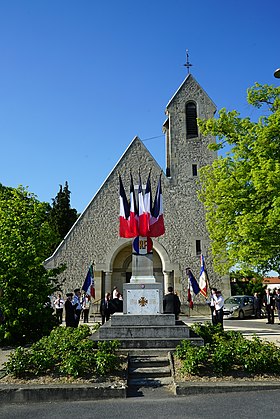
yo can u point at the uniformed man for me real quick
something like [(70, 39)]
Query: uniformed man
[(77, 305)]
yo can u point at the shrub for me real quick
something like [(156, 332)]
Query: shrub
[(226, 351), (207, 331), (223, 357), (191, 355), (66, 351), (256, 356)]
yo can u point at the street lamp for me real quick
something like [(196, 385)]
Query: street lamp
[(277, 73)]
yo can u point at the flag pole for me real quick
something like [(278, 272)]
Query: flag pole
[(189, 307), (207, 280)]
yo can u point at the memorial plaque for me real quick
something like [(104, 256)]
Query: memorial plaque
[(143, 301)]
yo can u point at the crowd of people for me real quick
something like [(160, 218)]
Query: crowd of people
[(77, 306), (270, 303), (110, 304)]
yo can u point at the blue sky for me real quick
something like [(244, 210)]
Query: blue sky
[(79, 79)]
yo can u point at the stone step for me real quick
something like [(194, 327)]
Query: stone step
[(128, 320), (145, 351), (150, 382), (148, 361), (121, 332), (159, 343), (156, 343), (149, 372)]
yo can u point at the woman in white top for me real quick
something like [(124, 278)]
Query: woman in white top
[(58, 305)]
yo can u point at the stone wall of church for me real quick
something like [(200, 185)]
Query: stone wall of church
[(96, 231), (184, 213)]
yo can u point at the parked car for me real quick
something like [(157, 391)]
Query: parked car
[(238, 307)]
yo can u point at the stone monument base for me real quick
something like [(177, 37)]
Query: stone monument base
[(160, 332), (142, 298)]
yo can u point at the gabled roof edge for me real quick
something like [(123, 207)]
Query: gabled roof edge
[(136, 138), (180, 87)]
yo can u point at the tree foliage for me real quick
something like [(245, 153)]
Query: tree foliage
[(246, 283), (241, 191), (62, 216), (25, 241)]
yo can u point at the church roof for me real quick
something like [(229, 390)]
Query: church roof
[(136, 142), (187, 80)]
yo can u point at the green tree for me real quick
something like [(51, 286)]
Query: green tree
[(246, 283), (62, 216), (241, 190), (25, 241)]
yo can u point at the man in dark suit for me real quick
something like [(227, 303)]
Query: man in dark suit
[(277, 302), (69, 311), (106, 308), (171, 303), (269, 303)]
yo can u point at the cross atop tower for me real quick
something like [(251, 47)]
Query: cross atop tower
[(188, 64)]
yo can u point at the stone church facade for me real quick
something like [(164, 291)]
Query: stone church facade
[(95, 235)]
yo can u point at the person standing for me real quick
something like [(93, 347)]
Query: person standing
[(212, 306), (77, 305), (219, 307), (269, 303), (277, 302), (86, 307), (58, 304), (171, 303), (257, 305), (117, 304), (69, 311), (115, 293), (105, 308)]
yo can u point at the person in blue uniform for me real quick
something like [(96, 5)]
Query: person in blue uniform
[(77, 305)]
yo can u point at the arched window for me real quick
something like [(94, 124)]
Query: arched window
[(191, 123)]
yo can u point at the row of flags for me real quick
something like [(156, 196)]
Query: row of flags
[(89, 286), (194, 287), (197, 287), (144, 218)]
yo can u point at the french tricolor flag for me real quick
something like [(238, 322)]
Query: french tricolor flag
[(193, 282), (157, 227), (88, 285), (148, 201), (133, 216), (124, 229), (203, 280), (143, 217), (190, 300)]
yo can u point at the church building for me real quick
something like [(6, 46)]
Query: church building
[(95, 235)]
